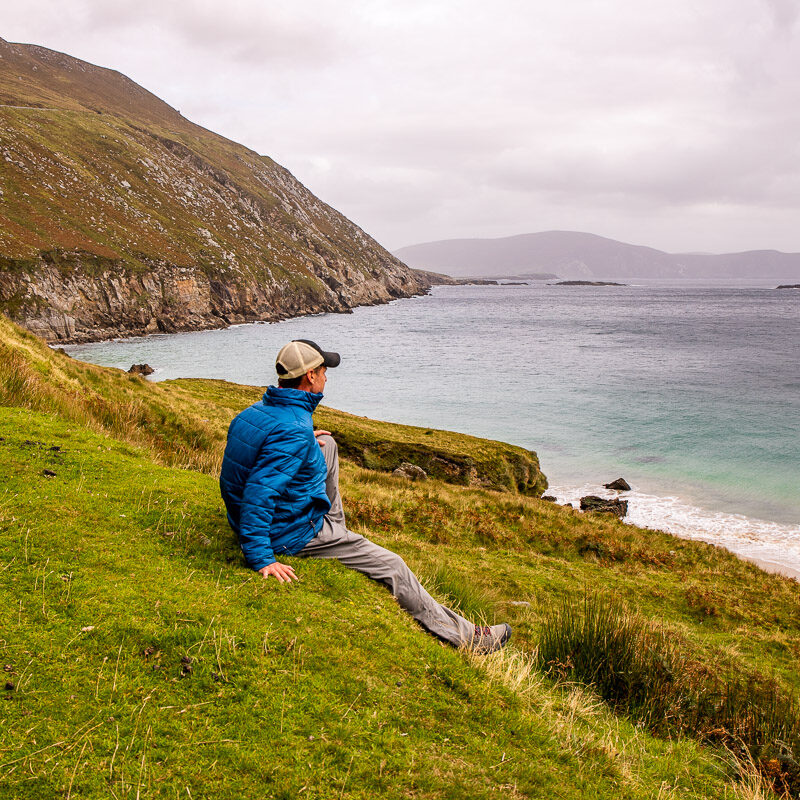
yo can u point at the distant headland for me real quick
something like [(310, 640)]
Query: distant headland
[(573, 255)]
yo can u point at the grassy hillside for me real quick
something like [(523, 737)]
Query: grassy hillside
[(142, 658)]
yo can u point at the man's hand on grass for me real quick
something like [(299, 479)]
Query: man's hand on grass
[(283, 572)]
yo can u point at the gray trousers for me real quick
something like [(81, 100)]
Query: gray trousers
[(379, 564)]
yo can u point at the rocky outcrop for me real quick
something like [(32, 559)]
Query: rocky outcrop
[(439, 279), (604, 506), (410, 471), (141, 369), (124, 218), (588, 283), (441, 455)]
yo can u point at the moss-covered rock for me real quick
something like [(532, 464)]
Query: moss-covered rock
[(452, 457)]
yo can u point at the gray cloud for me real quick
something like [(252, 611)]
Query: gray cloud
[(238, 32), (784, 13), (672, 126)]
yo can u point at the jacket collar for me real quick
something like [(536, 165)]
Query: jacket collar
[(283, 396)]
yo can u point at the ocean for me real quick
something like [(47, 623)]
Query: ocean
[(688, 390)]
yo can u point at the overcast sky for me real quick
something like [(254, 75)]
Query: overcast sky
[(675, 125)]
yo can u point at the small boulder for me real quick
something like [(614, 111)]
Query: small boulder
[(600, 504), (410, 471), (549, 498), (141, 369), (619, 485)]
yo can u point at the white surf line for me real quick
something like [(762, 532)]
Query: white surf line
[(773, 546)]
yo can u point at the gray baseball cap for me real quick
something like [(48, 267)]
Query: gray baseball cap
[(301, 355)]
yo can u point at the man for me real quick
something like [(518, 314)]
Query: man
[(280, 484)]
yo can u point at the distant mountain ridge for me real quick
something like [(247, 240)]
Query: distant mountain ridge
[(578, 255), (118, 216)]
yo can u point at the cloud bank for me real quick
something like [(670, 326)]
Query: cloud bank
[(672, 126)]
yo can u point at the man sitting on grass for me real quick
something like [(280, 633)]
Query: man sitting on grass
[(280, 484)]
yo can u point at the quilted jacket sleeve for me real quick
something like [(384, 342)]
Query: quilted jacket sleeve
[(276, 466)]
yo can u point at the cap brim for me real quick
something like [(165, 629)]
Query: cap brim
[(330, 359)]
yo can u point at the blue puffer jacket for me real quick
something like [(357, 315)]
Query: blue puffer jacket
[(273, 476)]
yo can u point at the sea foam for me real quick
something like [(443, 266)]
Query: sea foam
[(772, 545)]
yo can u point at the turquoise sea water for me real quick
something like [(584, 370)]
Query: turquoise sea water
[(690, 392)]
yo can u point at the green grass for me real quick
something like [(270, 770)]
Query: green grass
[(185, 422), (452, 457), (146, 658)]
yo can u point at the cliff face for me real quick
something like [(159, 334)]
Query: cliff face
[(80, 307), (120, 217)]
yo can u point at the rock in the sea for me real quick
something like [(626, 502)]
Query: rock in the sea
[(587, 283), (550, 498), (141, 369), (594, 503), (619, 485), (410, 471)]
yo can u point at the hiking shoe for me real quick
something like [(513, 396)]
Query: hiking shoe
[(487, 639)]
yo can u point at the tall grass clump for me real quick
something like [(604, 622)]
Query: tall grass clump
[(645, 672), (629, 664)]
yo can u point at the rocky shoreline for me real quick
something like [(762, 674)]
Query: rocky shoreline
[(77, 305)]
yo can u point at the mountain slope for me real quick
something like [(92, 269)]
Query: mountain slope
[(584, 255), (119, 216)]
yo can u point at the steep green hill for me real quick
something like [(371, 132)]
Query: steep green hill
[(142, 658), (119, 216)]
